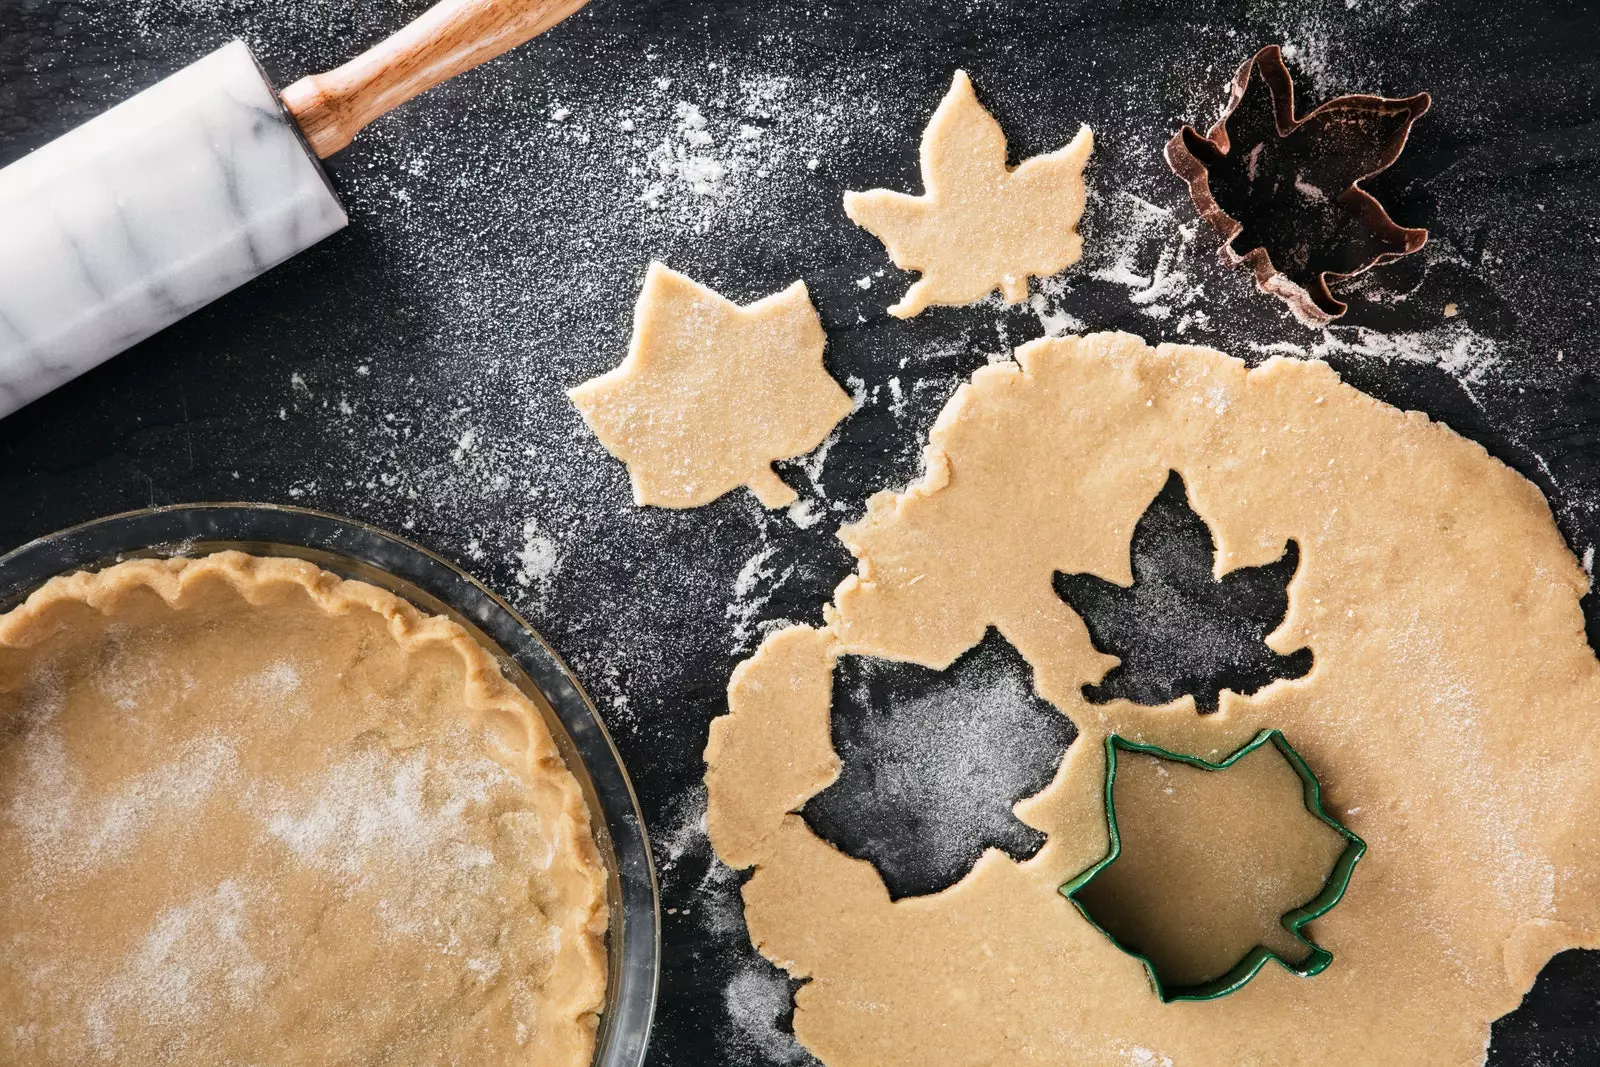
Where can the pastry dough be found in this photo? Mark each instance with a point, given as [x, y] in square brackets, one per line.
[979, 225]
[251, 812]
[711, 393]
[1451, 715]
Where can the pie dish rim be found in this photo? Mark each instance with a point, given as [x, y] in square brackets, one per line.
[356, 550]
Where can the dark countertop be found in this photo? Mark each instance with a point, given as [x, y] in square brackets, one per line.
[410, 371]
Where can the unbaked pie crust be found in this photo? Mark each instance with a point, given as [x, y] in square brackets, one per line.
[255, 813]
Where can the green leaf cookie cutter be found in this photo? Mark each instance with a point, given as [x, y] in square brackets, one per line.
[1240, 973]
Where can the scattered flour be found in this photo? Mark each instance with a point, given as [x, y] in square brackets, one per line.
[370, 813]
[277, 683]
[1139, 1056]
[193, 961]
[758, 1002]
[753, 589]
[812, 465]
[1143, 227]
[1456, 348]
[68, 832]
[684, 834]
[538, 557]
[1054, 321]
[804, 513]
[693, 163]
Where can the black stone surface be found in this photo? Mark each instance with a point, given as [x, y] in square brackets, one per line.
[410, 371]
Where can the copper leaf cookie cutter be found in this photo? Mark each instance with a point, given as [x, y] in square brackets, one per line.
[1294, 921]
[1329, 152]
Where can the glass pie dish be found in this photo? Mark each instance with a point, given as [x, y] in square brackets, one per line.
[354, 550]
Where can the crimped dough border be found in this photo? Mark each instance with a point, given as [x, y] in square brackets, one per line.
[575, 991]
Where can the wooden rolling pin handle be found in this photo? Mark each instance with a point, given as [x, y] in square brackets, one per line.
[449, 38]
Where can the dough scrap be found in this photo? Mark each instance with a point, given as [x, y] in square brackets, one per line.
[248, 809]
[1450, 715]
[980, 225]
[711, 393]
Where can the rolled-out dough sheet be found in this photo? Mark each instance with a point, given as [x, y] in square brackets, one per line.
[979, 225]
[1451, 715]
[711, 393]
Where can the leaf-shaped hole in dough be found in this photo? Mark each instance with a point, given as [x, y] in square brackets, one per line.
[1178, 629]
[934, 762]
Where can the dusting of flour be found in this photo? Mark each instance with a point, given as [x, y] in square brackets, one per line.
[515, 216]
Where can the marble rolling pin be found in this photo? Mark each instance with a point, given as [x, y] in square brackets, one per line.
[198, 184]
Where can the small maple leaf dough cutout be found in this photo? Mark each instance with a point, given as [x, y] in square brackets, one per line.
[980, 226]
[711, 393]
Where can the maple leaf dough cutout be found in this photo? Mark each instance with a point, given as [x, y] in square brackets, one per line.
[980, 226]
[711, 393]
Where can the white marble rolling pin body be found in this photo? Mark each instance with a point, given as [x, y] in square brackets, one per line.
[195, 186]
[147, 212]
